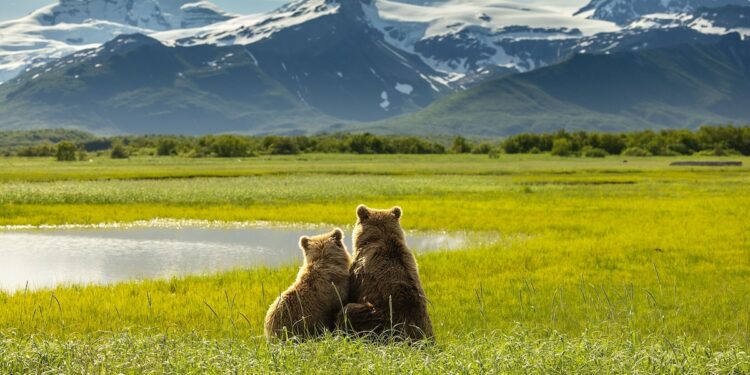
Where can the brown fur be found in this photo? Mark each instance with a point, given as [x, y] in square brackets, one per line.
[385, 292]
[310, 305]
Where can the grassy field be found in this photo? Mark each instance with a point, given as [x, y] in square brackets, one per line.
[599, 265]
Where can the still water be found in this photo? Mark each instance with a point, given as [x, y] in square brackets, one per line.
[42, 258]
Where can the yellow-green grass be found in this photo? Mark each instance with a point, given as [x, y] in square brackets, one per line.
[46, 169]
[598, 264]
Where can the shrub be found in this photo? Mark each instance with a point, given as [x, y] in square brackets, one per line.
[718, 151]
[562, 147]
[66, 151]
[166, 147]
[482, 148]
[713, 140]
[284, 146]
[230, 146]
[524, 143]
[679, 149]
[97, 145]
[613, 144]
[119, 151]
[366, 144]
[636, 151]
[414, 145]
[593, 152]
[44, 150]
[461, 145]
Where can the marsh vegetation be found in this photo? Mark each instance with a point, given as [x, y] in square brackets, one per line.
[600, 264]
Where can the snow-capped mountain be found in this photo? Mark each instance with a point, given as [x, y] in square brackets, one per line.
[624, 12]
[73, 25]
[318, 52]
[717, 21]
[145, 14]
[683, 86]
[135, 84]
[466, 41]
[458, 38]
[470, 39]
[340, 60]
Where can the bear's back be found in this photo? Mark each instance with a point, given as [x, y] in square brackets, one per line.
[387, 277]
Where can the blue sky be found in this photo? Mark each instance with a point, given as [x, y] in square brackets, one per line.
[10, 9]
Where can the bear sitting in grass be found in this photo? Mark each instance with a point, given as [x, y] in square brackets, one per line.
[385, 293]
[308, 308]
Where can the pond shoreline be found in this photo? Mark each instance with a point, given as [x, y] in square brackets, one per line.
[43, 257]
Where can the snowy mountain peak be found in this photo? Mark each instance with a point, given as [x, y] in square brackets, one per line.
[252, 28]
[623, 12]
[73, 25]
[147, 14]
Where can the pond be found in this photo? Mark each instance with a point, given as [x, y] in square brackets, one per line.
[37, 258]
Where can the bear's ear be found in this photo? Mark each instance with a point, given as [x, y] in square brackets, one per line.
[338, 235]
[397, 212]
[363, 212]
[304, 243]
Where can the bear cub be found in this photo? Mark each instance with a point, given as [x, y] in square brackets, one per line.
[308, 308]
[385, 292]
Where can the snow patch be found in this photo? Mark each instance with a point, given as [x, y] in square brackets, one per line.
[404, 88]
[385, 104]
[440, 18]
[252, 57]
[479, 25]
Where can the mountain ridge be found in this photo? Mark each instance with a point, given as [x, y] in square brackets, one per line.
[69, 26]
[681, 86]
[333, 62]
[109, 90]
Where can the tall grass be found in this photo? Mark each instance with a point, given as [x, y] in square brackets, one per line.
[517, 352]
[601, 265]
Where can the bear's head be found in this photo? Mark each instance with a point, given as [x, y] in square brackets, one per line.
[377, 225]
[326, 248]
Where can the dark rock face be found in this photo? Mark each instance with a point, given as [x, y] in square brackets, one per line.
[345, 69]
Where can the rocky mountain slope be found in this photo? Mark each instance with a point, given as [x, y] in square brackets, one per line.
[335, 62]
[684, 86]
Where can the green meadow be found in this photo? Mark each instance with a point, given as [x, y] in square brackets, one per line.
[615, 265]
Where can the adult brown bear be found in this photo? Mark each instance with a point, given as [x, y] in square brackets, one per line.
[385, 292]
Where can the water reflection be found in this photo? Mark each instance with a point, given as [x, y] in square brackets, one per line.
[49, 257]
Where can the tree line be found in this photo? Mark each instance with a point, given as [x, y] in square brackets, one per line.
[708, 140]
[120, 147]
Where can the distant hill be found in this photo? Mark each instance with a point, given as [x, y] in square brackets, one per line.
[675, 87]
[21, 138]
[187, 67]
[134, 84]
